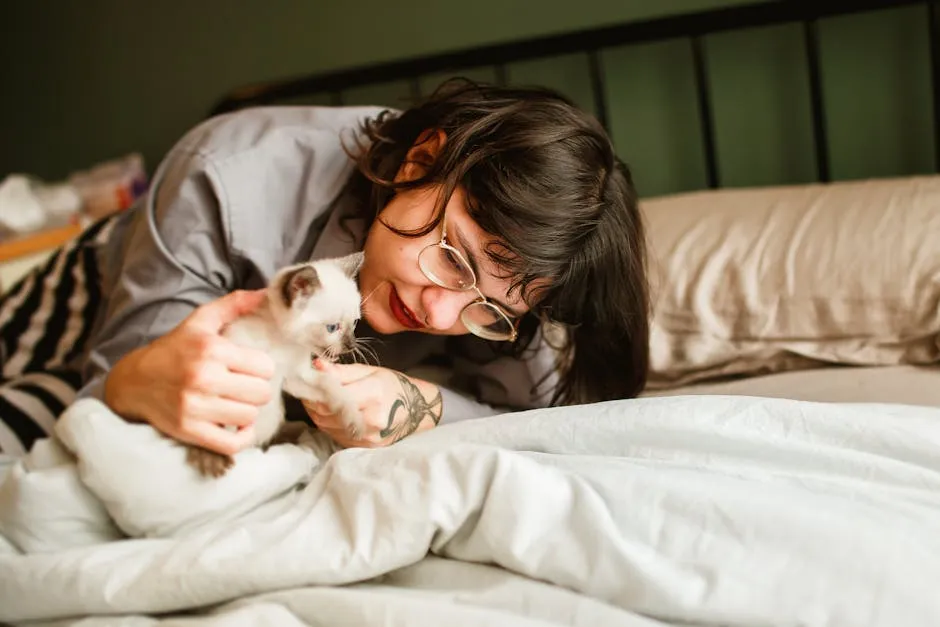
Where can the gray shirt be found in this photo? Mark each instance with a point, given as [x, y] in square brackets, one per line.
[242, 195]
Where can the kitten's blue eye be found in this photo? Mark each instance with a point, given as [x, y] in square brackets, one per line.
[332, 328]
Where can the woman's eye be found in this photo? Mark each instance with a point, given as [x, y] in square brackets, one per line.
[453, 260]
[332, 328]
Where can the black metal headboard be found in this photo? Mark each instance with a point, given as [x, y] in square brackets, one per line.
[691, 27]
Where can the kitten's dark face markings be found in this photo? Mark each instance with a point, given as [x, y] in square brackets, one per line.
[349, 338]
[299, 289]
[301, 283]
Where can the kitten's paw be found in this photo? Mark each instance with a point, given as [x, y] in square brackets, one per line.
[208, 463]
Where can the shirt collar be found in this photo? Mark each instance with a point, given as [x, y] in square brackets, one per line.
[334, 240]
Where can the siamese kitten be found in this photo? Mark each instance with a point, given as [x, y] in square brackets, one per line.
[310, 311]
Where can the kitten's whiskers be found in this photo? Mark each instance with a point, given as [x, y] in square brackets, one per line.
[363, 351]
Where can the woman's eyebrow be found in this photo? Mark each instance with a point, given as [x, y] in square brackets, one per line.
[475, 266]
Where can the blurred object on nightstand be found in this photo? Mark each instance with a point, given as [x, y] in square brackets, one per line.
[28, 205]
[37, 217]
[111, 186]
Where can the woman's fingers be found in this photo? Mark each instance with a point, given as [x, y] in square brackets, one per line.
[243, 360]
[219, 439]
[243, 388]
[199, 408]
[230, 413]
[322, 416]
[346, 373]
[213, 316]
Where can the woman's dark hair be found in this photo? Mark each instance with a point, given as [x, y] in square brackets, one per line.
[542, 176]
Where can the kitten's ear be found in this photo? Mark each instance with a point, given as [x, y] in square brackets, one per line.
[301, 283]
[350, 264]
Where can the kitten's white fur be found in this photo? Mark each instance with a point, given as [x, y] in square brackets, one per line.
[310, 309]
[293, 329]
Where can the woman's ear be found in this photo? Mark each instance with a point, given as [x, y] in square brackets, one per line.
[421, 155]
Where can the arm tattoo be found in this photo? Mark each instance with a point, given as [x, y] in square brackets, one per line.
[416, 407]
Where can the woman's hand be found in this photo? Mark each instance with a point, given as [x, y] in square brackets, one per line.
[393, 405]
[192, 382]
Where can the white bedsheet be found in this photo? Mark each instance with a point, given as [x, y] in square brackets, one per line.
[691, 510]
[906, 384]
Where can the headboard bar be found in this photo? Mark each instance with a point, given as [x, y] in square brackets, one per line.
[591, 43]
[501, 77]
[933, 24]
[707, 122]
[598, 90]
[681, 26]
[820, 141]
[414, 86]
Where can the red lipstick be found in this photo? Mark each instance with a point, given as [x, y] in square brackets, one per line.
[401, 312]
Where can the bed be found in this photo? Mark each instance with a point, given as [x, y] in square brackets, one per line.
[781, 467]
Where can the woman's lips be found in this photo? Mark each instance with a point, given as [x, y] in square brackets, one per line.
[401, 312]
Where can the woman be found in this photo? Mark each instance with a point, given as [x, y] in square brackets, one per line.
[505, 263]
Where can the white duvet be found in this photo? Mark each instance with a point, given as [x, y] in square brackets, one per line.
[685, 510]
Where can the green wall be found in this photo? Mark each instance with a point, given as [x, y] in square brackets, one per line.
[97, 79]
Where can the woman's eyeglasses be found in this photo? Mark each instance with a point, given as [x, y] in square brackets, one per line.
[443, 264]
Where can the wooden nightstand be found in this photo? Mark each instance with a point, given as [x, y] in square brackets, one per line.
[19, 255]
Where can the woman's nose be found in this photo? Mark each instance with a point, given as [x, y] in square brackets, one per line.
[443, 306]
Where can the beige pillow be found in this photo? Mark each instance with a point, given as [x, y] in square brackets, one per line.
[749, 281]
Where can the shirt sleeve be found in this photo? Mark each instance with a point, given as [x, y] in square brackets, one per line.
[490, 385]
[171, 258]
[459, 407]
[458, 404]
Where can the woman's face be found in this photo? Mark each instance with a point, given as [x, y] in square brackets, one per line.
[397, 296]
